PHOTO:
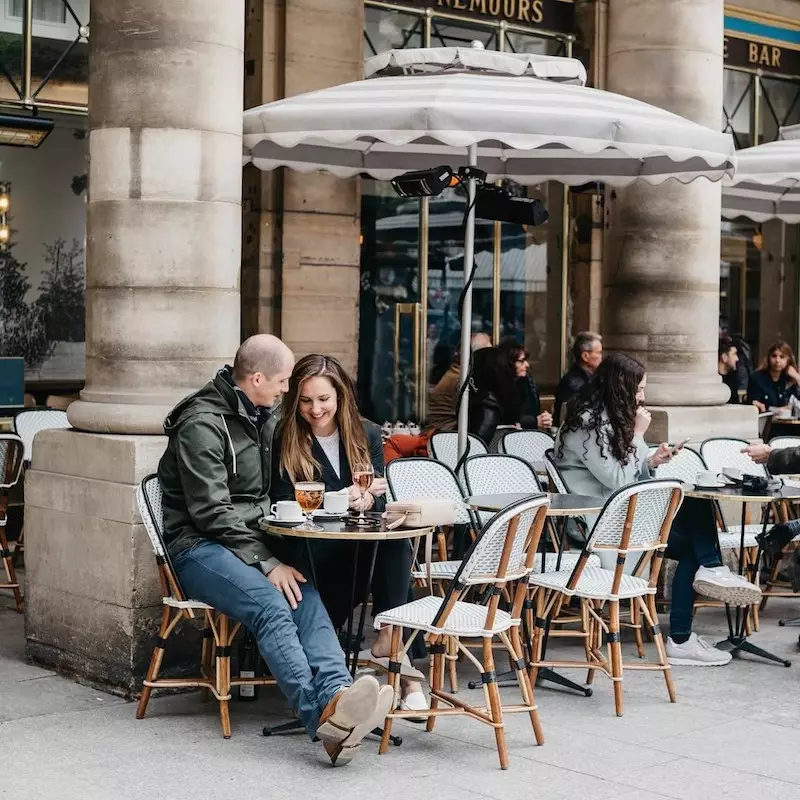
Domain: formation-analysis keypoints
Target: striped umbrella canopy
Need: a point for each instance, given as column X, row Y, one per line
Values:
column 767, row 181
column 530, row 117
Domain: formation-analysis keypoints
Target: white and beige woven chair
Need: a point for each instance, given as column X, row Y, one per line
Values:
column 636, row 520
column 783, row 442
column 444, row 447
column 28, row 423
column 527, row 445
column 11, row 454
column 215, row 662
column 501, row 554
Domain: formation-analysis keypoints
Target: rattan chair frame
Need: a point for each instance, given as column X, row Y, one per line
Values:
column 13, row 449
column 500, row 579
column 219, row 630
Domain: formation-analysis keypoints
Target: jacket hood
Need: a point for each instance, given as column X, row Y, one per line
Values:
column 216, row 397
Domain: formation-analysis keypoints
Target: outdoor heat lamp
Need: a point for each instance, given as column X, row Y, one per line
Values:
column 495, row 203
column 423, row 182
column 24, row 131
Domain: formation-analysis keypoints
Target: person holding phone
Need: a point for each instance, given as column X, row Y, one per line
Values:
column 322, row 437
column 600, row 448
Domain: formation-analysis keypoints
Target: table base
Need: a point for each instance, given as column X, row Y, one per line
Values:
column 545, row 674
column 794, row 622
column 296, row 725
column 736, row 645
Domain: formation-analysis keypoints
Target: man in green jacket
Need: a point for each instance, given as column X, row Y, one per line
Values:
column 215, row 476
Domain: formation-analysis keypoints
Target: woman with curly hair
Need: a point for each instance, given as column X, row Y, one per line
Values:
column 600, row 448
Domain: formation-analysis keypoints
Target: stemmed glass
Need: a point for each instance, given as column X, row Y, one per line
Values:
column 363, row 474
column 309, row 495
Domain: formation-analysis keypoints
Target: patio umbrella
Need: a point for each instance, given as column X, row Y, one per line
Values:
column 767, row 181
column 519, row 116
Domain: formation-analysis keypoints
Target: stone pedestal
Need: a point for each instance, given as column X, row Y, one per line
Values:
column 674, row 423
column 662, row 243
column 92, row 595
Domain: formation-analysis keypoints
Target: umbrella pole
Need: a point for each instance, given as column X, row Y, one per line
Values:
column 466, row 311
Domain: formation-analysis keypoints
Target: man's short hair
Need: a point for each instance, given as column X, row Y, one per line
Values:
column 583, row 343
column 262, row 353
column 726, row 344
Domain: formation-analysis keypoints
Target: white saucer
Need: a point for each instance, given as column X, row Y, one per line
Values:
column 273, row 518
column 715, row 485
column 323, row 514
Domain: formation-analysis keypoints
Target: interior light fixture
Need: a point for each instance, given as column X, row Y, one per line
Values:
column 18, row 131
column 5, row 204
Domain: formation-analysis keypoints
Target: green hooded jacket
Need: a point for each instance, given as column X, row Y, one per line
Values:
column 215, row 474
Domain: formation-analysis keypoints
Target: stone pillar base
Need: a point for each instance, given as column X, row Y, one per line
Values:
column 674, row 423
column 92, row 597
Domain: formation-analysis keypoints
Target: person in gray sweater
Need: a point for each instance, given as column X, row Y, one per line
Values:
column 600, row 448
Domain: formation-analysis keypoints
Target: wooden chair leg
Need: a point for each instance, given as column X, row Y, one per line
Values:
column 19, row 547
column 437, row 684
column 650, row 611
column 495, row 704
column 11, row 573
column 452, row 663
column 615, row 654
column 223, row 675
column 155, row 661
column 393, row 681
column 526, row 688
column 636, row 620
column 536, row 633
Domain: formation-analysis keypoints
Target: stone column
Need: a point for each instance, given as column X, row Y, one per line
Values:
column 662, row 248
column 164, row 212
column 302, row 253
column 162, row 304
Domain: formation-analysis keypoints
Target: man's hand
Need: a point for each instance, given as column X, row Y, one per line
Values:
column 544, row 421
column 285, row 578
column 758, row 452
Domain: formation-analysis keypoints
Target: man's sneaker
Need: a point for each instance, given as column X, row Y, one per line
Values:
column 719, row 583
column 695, row 652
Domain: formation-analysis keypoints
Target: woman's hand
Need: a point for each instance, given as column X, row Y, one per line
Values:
column 355, row 502
column 642, row 421
column 661, row 456
column 378, row 487
column 354, row 494
column 544, row 421
column 760, row 406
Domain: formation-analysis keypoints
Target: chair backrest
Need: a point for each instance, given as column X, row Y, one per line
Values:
column 557, row 482
column 493, row 473
column 11, row 456
column 725, row 452
column 444, row 447
column 683, row 467
column 527, row 445
column 502, row 552
column 416, row 478
column 28, row 423
column 149, row 498
column 782, row 442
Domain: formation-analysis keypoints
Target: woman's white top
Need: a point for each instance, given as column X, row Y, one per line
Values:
column 330, row 446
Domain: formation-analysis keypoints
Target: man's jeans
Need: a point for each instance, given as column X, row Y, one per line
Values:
column 692, row 543
column 300, row 647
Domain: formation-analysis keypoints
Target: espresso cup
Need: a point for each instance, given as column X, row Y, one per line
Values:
column 706, row 478
column 336, row 502
column 287, row 510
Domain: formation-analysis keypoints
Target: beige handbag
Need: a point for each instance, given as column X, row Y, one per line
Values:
column 423, row 513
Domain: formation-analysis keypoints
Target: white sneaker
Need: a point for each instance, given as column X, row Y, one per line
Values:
column 695, row 652
column 719, row 583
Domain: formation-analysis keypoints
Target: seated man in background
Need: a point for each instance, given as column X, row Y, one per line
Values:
column 215, row 476
column 727, row 361
column 587, row 353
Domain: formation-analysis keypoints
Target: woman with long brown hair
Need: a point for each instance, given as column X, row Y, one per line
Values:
column 600, row 448
column 776, row 380
column 322, row 437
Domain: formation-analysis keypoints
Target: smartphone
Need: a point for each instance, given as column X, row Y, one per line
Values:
column 679, row 447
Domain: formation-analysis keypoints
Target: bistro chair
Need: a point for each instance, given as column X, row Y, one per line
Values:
column 783, row 442
column 636, row 519
column 444, row 447
column 215, row 662
column 528, row 445
column 11, row 454
column 501, row 555
column 26, row 425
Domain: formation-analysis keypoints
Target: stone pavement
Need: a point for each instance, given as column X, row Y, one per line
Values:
column 734, row 733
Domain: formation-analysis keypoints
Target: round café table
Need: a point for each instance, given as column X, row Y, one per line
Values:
column 737, row 640
column 342, row 531
column 561, row 505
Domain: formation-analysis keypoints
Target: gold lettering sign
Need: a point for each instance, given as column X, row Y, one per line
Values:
column 531, row 11
column 764, row 55
column 758, row 55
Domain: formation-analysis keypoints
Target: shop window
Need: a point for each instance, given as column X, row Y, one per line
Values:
column 43, row 10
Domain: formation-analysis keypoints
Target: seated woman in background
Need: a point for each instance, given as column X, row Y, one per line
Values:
column 600, row 448
column 320, row 438
column 494, row 398
column 531, row 415
column 776, row 380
